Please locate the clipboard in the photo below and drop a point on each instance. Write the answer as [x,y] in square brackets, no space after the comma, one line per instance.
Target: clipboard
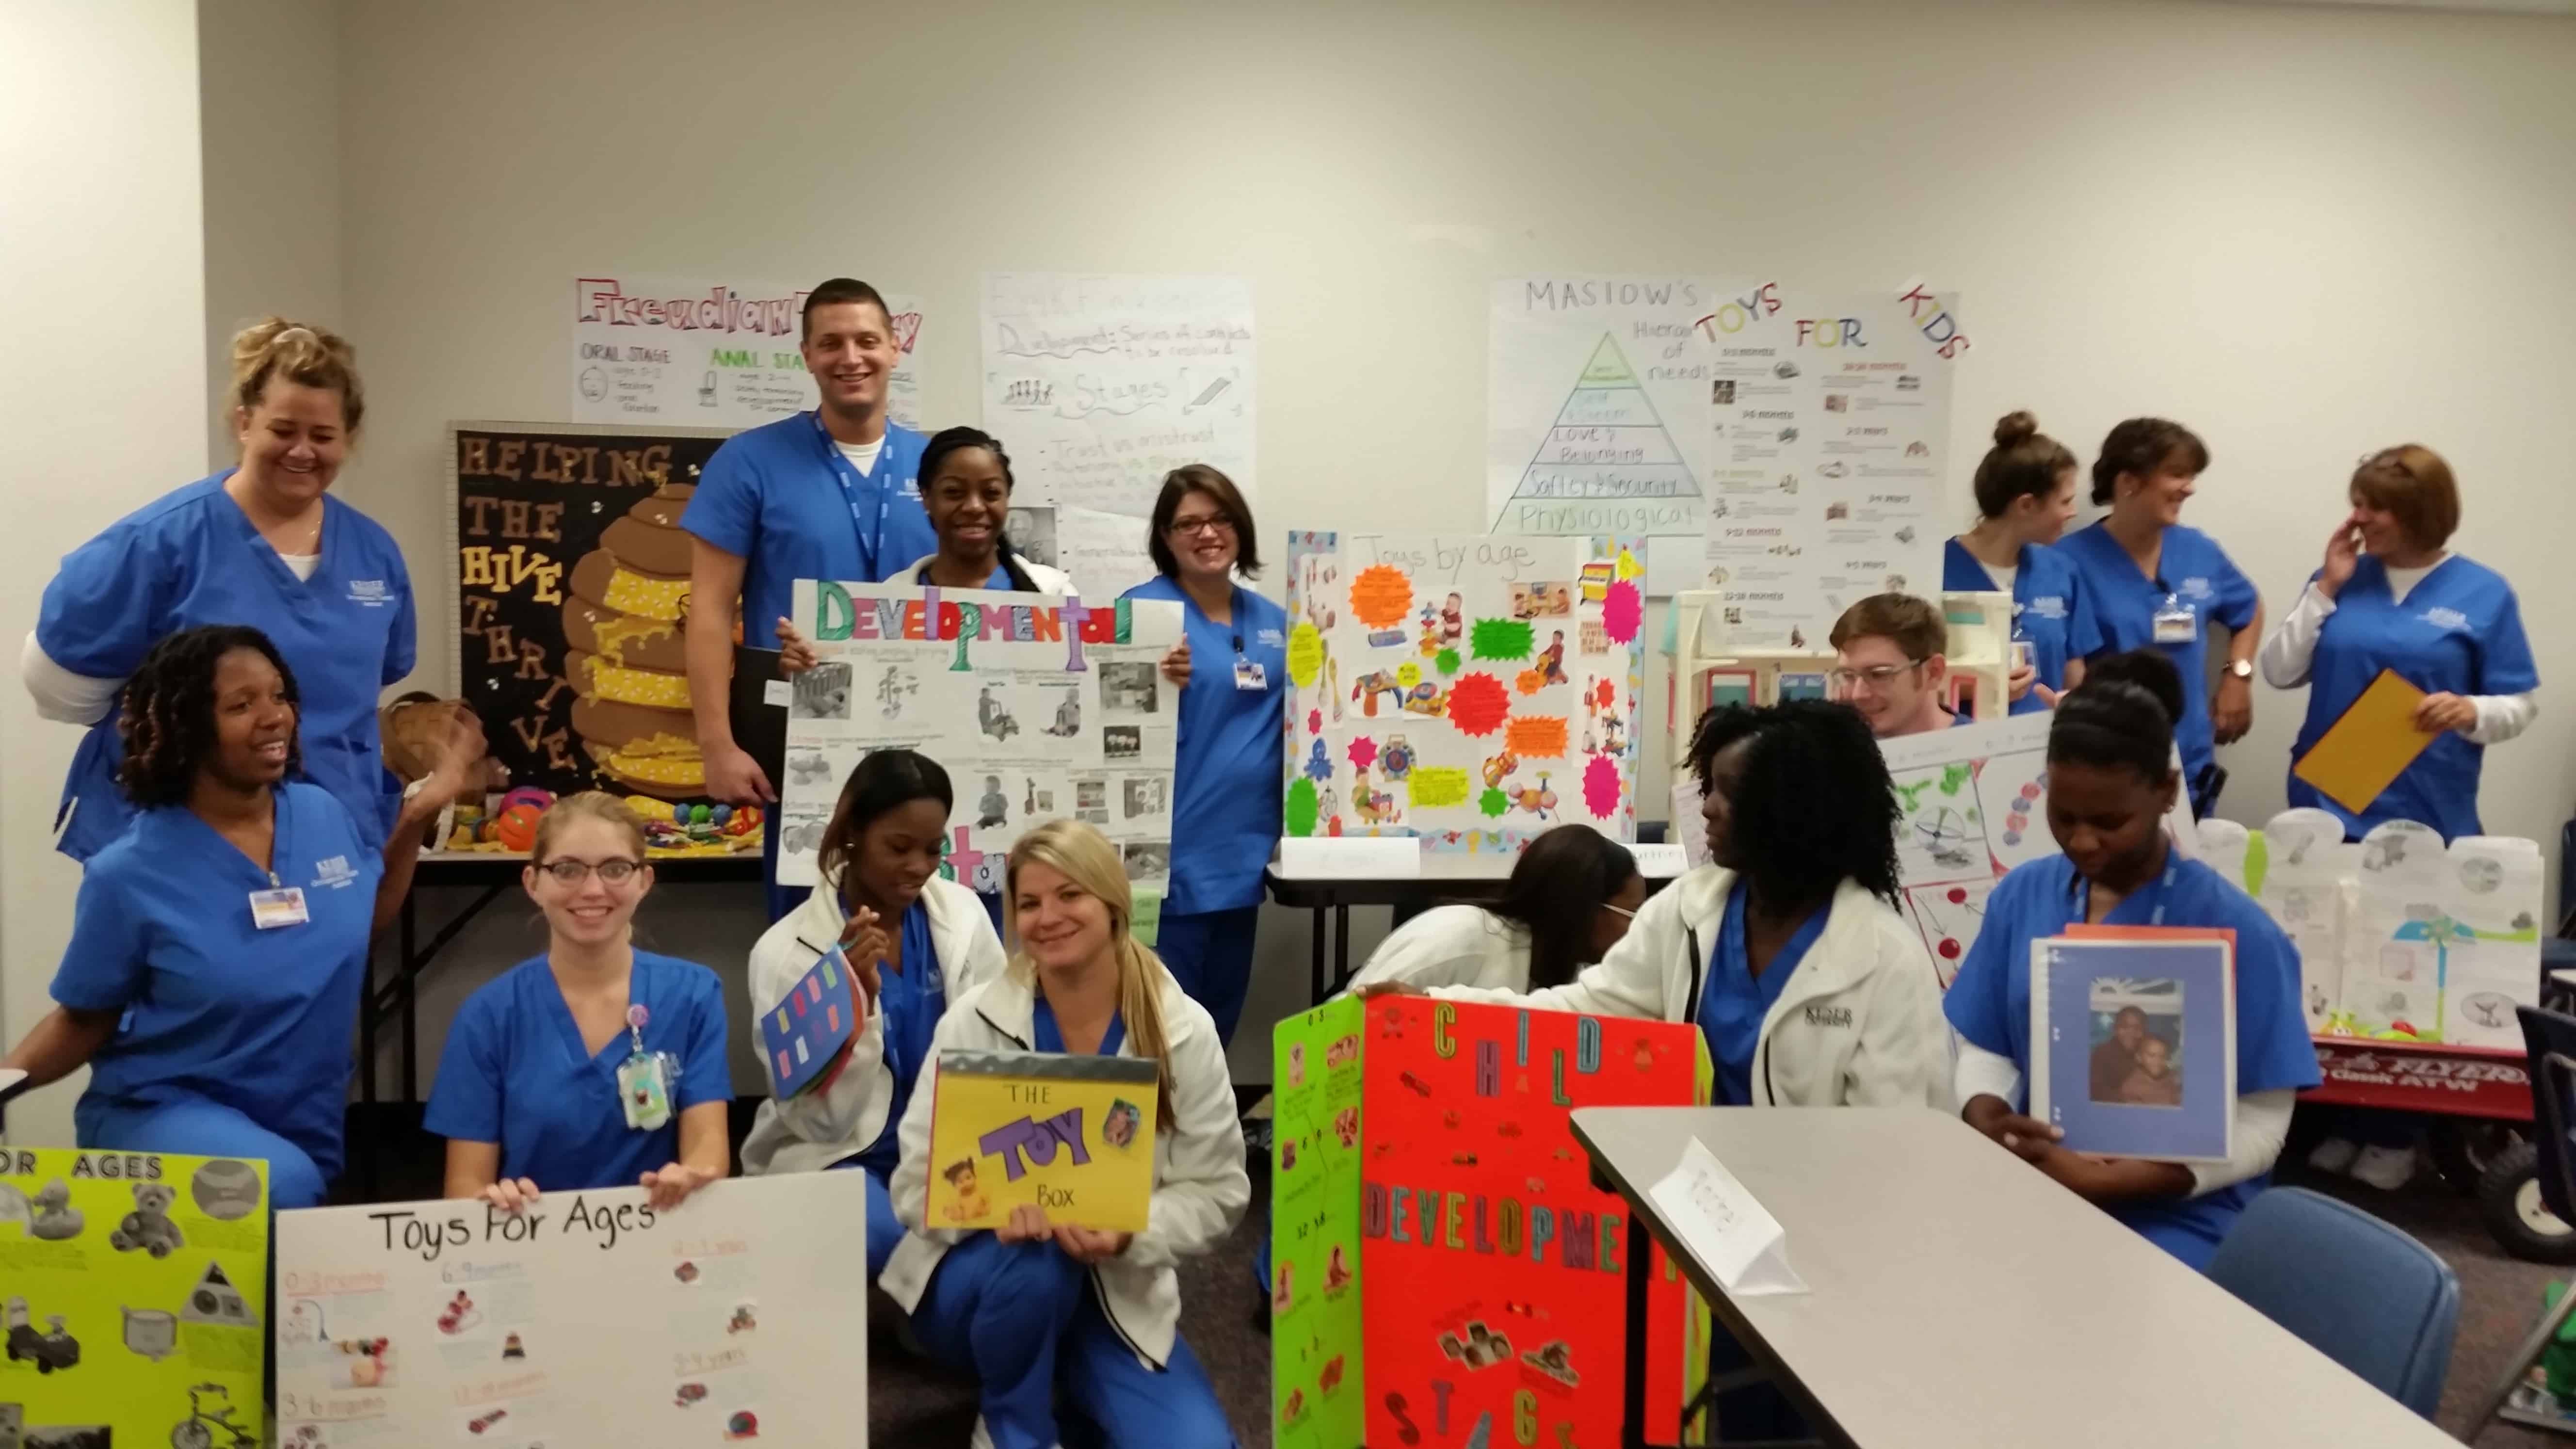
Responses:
[2364,752]
[757,707]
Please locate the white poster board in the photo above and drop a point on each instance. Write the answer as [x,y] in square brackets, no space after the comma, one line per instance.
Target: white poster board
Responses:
[1039,706]
[740,1316]
[705,352]
[1099,386]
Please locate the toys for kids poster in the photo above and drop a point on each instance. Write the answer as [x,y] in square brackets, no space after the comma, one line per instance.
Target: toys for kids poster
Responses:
[588,1318]
[133,1299]
[1469,691]
[1442,1269]
[1071,1134]
[1039,706]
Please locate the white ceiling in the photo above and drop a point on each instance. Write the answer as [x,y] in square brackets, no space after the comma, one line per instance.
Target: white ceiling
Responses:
[2520,7]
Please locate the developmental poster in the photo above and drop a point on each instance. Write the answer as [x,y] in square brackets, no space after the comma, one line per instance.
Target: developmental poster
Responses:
[1468,690]
[133,1292]
[1472,1288]
[1101,385]
[708,353]
[1037,705]
[591,1318]
[1597,403]
[1830,422]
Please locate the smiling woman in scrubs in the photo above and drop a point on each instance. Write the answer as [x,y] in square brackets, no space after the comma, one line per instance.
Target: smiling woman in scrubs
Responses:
[595,1064]
[218,946]
[2155,583]
[2110,782]
[916,942]
[264,545]
[966,486]
[2025,499]
[1227,766]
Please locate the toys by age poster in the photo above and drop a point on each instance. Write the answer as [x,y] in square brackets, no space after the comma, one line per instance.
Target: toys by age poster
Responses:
[1071,1134]
[1039,706]
[1471,691]
[589,1318]
[701,352]
[133,1291]
[1442,1269]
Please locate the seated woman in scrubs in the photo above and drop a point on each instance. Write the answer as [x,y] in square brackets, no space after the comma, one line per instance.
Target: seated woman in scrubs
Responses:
[595,1064]
[1569,900]
[915,940]
[2025,498]
[218,946]
[2110,782]
[263,544]
[1074,1333]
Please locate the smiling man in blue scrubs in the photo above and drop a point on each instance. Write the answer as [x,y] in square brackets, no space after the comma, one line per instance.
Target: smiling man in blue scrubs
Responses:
[830,494]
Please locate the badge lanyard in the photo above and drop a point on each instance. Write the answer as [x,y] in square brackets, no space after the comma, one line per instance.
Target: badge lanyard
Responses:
[846,474]
[644,1078]
[280,904]
[2175,622]
[1248,674]
[2164,887]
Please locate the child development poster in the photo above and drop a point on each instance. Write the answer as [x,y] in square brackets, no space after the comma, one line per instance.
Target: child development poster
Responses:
[1470,691]
[132,1299]
[704,352]
[1038,705]
[590,1318]
[1442,1269]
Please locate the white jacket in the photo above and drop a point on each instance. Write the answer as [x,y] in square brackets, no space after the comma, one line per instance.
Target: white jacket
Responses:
[1046,580]
[1858,1025]
[1452,946]
[827,1124]
[1200,1186]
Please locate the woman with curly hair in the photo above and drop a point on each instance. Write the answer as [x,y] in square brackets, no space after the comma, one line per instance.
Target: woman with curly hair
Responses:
[219,945]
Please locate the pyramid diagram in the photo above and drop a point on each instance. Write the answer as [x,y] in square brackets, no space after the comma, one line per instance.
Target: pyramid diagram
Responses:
[1607,442]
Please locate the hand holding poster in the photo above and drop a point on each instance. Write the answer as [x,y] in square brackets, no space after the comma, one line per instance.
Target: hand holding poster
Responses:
[1071,1134]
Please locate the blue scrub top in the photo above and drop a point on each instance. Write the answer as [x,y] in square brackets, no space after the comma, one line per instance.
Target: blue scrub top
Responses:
[1735,1001]
[911,1001]
[1227,758]
[214,1007]
[1989,1003]
[192,558]
[1050,1037]
[772,495]
[2200,577]
[514,1072]
[2051,610]
[2459,631]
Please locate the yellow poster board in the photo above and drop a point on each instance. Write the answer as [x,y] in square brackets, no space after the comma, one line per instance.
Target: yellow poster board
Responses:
[1074,1135]
[133,1298]
[2364,752]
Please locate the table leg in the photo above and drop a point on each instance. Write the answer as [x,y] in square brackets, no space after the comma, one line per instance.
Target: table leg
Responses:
[1342,971]
[1632,1393]
[1323,983]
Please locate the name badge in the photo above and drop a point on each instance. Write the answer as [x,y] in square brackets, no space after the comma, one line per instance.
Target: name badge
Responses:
[1250,675]
[282,907]
[2175,623]
[644,1089]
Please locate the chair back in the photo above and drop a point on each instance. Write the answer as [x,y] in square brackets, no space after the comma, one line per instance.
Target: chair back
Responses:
[2353,1288]
[2550,1039]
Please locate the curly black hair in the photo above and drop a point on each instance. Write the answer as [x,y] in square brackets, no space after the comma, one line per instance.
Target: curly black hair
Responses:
[168,722]
[1814,806]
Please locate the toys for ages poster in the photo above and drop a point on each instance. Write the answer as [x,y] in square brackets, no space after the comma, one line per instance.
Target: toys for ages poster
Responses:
[1071,1134]
[133,1299]
[1442,1269]
[1039,706]
[590,1318]
[1468,691]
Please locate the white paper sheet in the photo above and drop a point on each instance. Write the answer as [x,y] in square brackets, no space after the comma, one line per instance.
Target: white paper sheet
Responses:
[708,352]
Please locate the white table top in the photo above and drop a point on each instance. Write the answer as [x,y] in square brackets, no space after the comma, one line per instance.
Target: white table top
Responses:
[1959,1298]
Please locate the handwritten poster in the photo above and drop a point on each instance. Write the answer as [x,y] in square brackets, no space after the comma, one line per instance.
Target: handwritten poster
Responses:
[736,1318]
[708,353]
[1039,706]
[1071,1134]
[1101,385]
[133,1297]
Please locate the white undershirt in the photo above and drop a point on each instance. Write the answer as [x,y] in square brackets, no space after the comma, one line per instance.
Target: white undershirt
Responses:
[2292,649]
[2002,576]
[301,565]
[862,456]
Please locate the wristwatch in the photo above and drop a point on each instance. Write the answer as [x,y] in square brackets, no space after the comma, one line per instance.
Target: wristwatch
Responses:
[2241,668]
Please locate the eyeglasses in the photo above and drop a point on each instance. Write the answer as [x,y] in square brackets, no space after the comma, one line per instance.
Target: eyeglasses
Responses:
[1624,912]
[1213,526]
[1877,676]
[614,871]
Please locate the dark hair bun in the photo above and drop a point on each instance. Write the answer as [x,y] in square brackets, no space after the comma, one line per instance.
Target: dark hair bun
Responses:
[2015,429]
[2146,670]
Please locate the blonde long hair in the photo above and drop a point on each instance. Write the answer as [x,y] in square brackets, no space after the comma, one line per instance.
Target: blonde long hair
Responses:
[1085,857]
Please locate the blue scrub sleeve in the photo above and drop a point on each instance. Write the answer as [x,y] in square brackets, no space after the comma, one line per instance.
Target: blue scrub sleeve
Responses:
[725,511]
[2505,665]
[103,967]
[705,1074]
[465,1100]
[2084,637]
[1979,1001]
[101,614]
[402,646]
[2273,1051]
[2237,599]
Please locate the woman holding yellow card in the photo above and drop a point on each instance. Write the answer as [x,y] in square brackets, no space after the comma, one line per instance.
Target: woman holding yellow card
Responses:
[2390,596]
[1057,1320]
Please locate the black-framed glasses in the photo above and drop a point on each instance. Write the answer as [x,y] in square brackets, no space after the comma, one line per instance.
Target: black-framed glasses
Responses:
[617,870]
[1214,526]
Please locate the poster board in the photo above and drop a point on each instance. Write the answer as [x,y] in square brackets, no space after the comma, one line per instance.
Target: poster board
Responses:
[1071,1134]
[1468,691]
[741,1315]
[709,352]
[1100,385]
[1442,1268]
[1037,705]
[132,1298]
[1973,803]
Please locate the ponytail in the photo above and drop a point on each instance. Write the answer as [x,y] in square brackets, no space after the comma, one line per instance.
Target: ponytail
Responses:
[1085,857]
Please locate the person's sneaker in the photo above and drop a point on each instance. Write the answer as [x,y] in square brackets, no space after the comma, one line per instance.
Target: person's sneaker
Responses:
[983,1437]
[2385,1168]
[2335,1154]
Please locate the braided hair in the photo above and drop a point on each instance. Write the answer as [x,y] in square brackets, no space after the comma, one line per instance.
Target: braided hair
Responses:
[957,440]
[167,721]
[2121,716]
[1814,806]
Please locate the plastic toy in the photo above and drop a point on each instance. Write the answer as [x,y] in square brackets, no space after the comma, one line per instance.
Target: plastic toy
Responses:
[517,827]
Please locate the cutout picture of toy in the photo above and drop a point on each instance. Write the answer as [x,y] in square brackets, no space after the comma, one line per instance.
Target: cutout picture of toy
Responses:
[511,1347]
[994,717]
[149,1227]
[743,1320]
[689,1394]
[458,1315]
[992,807]
[198,1430]
[1553,1359]
[744,1425]
[216,1300]
[151,1333]
[50,1350]
[1068,715]
[370,1363]
[51,1215]
[477,1426]
[686,1273]
[1480,1348]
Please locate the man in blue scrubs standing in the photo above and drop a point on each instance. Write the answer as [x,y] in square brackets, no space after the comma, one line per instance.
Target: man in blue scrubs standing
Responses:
[830,494]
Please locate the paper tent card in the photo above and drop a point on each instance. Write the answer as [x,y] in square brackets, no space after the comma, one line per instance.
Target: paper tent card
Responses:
[1442,1269]
[1469,691]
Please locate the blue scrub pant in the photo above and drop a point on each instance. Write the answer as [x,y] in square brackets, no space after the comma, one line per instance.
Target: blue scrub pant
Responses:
[885,1230]
[1210,954]
[1022,1318]
[197,1127]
